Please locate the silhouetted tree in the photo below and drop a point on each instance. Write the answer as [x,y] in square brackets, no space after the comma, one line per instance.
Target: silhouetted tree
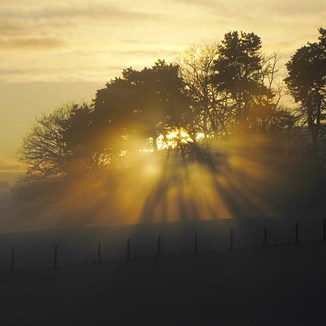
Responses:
[246,78]
[55,141]
[196,70]
[232,86]
[141,104]
[306,81]
[65,176]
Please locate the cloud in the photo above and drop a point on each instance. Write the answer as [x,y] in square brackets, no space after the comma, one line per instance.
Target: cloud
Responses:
[30,43]
[97,12]
[292,7]
[279,7]
[84,38]
[66,24]
[89,11]
[10,28]
[85,65]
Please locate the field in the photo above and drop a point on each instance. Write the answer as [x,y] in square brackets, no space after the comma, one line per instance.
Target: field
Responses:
[275,285]
[283,285]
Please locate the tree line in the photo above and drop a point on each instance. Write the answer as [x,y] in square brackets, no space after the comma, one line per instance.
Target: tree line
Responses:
[179,111]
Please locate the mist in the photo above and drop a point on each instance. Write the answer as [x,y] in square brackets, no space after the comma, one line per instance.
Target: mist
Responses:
[250,177]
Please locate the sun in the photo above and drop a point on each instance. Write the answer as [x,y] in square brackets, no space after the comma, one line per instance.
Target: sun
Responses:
[173,138]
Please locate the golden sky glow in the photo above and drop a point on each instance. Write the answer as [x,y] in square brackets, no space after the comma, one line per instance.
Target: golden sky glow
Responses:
[52,52]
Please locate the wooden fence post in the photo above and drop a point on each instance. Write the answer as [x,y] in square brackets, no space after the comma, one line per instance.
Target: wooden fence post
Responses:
[99,259]
[55,256]
[231,239]
[12,264]
[128,249]
[296,232]
[159,246]
[265,236]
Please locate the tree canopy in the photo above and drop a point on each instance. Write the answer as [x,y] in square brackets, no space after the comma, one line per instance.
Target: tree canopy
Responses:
[142,103]
[306,82]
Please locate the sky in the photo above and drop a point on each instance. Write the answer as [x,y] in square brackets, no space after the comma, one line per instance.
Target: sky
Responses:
[57,51]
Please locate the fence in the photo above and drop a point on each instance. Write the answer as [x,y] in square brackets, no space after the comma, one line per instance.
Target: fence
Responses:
[58,255]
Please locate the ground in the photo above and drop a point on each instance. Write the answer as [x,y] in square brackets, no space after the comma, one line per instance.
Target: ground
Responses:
[277,285]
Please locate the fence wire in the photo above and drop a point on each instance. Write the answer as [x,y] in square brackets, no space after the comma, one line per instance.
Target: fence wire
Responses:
[58,255]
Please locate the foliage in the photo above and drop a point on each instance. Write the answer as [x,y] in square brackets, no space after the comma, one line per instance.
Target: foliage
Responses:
[142,103]
[233,88]
[306,82]
[246,77]
[55,141]
[196,70]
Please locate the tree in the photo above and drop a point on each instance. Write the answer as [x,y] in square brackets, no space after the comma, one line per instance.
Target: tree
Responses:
[232,86]
[196,70]
[306,82]
[54,142]
[141,104]
[246,78]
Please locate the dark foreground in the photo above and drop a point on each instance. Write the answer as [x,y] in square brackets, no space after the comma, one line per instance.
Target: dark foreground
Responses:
[283,285]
